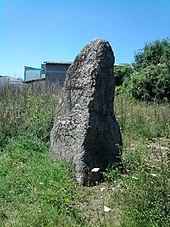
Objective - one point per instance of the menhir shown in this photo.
(85, 131)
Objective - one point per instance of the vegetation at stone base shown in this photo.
(148, 78)
(34, 191)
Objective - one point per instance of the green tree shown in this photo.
(151, 83)
(153, 53)
(151, 78)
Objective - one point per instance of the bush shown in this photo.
(153, 53)
(152, 83)
(121, 72)
(151, 77)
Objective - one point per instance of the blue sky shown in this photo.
(33, 31)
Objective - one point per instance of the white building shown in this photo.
(31, 73)
(7, 81)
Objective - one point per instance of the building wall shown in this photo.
(4, 81)
(31, 73)
(7, 81)
(52, 72)
(56, 72)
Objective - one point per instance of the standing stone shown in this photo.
(85, 131)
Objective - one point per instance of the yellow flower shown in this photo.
(66, 200)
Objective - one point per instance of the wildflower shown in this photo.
(66, 200)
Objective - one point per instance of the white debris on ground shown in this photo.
(106, 209)
(95, 170)
(102, 189)
(157, 146)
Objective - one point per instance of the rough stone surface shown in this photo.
(85, 131)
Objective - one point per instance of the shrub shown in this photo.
(152, 83)
(151, 77)
(153, 53)
(121, 72)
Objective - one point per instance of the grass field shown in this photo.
(34, 191)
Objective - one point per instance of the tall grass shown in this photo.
(27, 111)
(141, 119)
(145, 190)
(34, 191)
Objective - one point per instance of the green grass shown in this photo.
(35, 191)
(145, 190)
(34, 186)
(142, 120)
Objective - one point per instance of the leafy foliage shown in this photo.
(152, 83)
(151, 77)
(153, 53)
(122, 71)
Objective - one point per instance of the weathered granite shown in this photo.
(85, 131)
